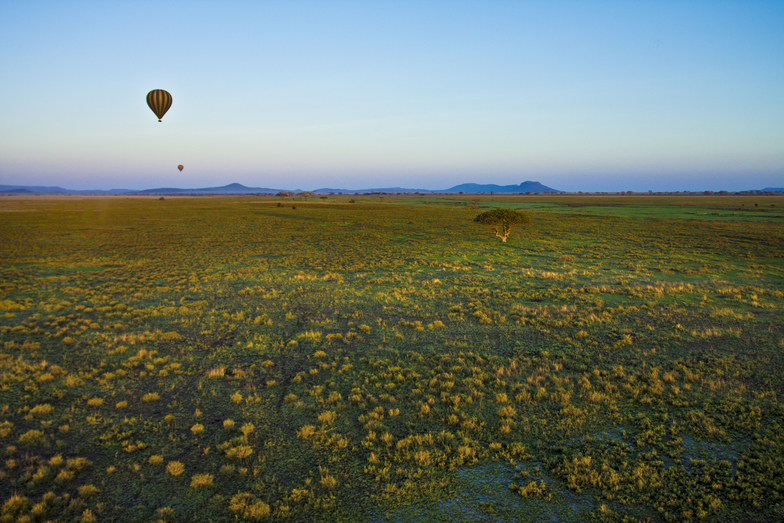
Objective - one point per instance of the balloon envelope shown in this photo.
(159, 101)
(180, 167)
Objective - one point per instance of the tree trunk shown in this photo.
(503, 236)
(507, 230)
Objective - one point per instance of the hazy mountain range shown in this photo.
(236, 188)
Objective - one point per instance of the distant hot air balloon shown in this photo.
(159, 101)
(180, 167)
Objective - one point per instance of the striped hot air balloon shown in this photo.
(159, 101)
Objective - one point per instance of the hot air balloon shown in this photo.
(180, 167)
(159, 101)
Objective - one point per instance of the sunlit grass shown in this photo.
(339, 361)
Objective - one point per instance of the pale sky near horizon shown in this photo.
(580, 96)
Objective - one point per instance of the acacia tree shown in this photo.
(502, 220)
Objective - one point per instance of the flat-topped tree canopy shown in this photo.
(502, 220)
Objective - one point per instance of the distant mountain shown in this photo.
(28, 188)
(32, 189)
(232, 188)
(377, 189)
(237, 188)
(465, 188)
(38, 189)
(483, 188)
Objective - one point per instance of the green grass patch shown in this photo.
(391, 360)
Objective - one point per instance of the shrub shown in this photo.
(150, 397)
(328, 482)
(244, 505)
(64, 477)
(42, 410)
(239, 452)
(327, 417)
(532, 489)
(256, 511)
(175, 468)
(31, 437)
(200, 481)
(88, 491)
(78, 464)
(72, 381)
(14, 505)
(216, 373)
(306, 431)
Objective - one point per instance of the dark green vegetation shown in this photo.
(388, 360)
(502, 220)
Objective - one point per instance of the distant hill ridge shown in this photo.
(38, 189)
(232, 188)
(480, 188)
(237, 188)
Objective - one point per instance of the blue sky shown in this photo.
(590, 96)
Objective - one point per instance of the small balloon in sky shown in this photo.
(159, 101)
(180, 167)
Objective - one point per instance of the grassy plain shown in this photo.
(386, 359)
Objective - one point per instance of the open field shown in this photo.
(386, 359)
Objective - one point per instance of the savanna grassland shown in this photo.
(387, 359)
